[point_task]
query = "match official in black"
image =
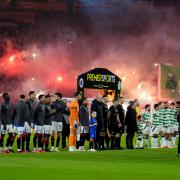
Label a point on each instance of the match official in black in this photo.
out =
(131, 124)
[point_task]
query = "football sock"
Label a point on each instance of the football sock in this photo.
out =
(57, 141)
(162, 141)
(23, 142)
(27, 141)
(35, 140)
(2, 140)
(91, 145)
(107, 142)
(8, 140)
(47, 141)
(52, 141)
(117, 142)
(18, 143)
(156, 142)
(102, 142)
(174, 141)
(12, 140)
(39, 140)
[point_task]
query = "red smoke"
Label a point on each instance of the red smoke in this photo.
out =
(128, 46)
(12, 64)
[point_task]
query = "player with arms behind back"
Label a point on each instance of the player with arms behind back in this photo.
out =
(6, 113)
(155, 127)
(21, 115)
(147, 121)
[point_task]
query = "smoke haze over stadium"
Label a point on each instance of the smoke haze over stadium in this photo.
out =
(127, 39)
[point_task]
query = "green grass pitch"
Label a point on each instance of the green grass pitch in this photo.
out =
(160, 164)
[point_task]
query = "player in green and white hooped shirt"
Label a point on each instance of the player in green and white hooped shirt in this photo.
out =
(140, 125)
(161, 119)
(155, 127)
(167, 125)
(147, 121)
(174, 123)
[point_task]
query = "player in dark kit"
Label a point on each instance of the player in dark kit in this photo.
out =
(48, 121)
(114, 122)
(131, 124)
(84, 123)
(6, 123)
(21, 115)
(66, 125)
(39, 117)
(122, 120)
(32, 104)
(57, 125)
(106, 122)
(98, 108)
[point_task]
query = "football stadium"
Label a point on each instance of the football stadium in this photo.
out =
(89, 89)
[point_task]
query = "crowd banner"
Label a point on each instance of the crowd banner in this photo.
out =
(168, 82)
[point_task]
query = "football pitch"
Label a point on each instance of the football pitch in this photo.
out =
(123, 164)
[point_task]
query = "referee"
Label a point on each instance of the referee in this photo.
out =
(178, 119)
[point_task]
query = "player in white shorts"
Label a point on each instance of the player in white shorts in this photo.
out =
(32, 104)
(155, 127)
(21, 115)
(147, 121)
(48, 121)
(39, 118)
(140, 128)
(161, 120)
(6, 115)
(58, 105)
(167, 125)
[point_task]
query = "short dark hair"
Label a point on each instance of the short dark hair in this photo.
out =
(160, 103)
(31, 92)
(59, 94)
(105, 95)
(178, 102)
(5, 94)
(22, 96)
(155, 106)
(76, 94)
(172, 103)
(47, 96)
(40, 96)
(131, 102)
(139, 117)
(147, 105)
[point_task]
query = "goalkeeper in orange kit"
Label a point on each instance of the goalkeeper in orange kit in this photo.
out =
(74, 122)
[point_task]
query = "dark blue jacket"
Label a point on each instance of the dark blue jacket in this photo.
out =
(59, 106)
(21, 113)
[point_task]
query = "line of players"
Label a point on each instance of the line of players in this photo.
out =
(47, 119)
(19, 120)
(160, 124)
(50, 119)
